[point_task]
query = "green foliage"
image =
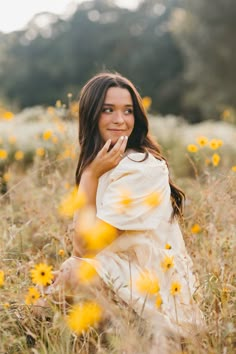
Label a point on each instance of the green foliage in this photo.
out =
(205, 32)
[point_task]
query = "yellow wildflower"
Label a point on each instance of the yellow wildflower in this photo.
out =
(2, 276)
(153, 199)
(7, 115)
(159, 301)
(19, 155)
(148, 283)
(192, 148)
(6, 305)
(61, 253)
(42, 274)
(202, 141)
(167, 263)
(83, 316)
(32, 296)
(175, 288)
(12, 139)
(215, 159)
(168, 246)
(147, 101)
(97, 234)
(40, 151)
(220, 142)
(233, 168)
(214, 144)
(86, 272)
(196, 228)
(75, 200)
(47, 134)
(3, 154)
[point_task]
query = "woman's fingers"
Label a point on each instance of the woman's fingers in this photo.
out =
(119, 148)
(105, 148)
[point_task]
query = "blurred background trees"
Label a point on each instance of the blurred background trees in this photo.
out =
(179, 52)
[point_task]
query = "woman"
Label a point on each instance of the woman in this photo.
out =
(126, 180)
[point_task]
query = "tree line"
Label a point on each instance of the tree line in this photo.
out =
(178, 52)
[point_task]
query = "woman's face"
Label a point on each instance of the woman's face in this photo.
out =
(117, 117)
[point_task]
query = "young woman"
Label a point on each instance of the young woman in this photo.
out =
(126, 180)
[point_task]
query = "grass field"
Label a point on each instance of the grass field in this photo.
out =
(38, 156)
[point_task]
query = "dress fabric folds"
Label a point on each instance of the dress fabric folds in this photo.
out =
(147, 265)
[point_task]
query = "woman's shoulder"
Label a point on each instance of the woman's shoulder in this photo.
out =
(141, 159)
(139, 164)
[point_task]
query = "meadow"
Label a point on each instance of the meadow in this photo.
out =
(38, 157)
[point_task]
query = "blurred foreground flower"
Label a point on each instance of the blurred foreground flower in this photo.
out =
(42, 274)
(7, 115)
(233, 168)
(47, 134)
(215, 159)
(86, 272)
(3, 154)
(19, 155)
(158, 301)
(32, 296)
(96, 233)
(168, 246)
(148, 283)
(167, 263)
(192, 148)
(75, 200)
(83, 316)
(175, 288)
(1, 277)
(196, 228)
(40, 151)
(202, 141)
(214, 144)
(61, 253)
(147, 101)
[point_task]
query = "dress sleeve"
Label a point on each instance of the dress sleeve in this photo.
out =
(137, 196)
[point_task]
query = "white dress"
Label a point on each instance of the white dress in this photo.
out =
(149, 247)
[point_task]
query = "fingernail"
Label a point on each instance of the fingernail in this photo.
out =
(126, 137)
(122, 138)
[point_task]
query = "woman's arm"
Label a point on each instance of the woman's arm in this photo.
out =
(105, 160)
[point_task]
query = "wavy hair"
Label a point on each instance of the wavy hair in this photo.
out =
(91, 101)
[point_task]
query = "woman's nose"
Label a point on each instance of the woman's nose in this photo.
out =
(118, 117)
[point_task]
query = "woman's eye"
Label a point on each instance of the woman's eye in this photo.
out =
(128, 111)
(107, 110)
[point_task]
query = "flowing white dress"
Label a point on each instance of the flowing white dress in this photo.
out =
(150, 243)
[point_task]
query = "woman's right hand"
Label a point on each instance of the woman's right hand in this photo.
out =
(107, 159)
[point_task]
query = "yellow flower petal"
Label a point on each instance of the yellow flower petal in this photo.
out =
(175, 288)
(42, 274)
(192, 148)
(148, 283)
(83, 316)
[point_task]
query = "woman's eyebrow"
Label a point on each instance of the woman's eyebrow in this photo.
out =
(111, 104)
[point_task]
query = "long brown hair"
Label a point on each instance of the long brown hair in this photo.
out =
(91, 101)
